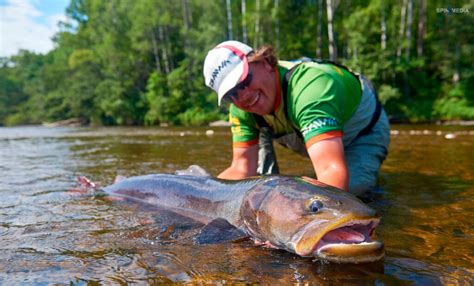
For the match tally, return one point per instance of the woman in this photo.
(318, 109)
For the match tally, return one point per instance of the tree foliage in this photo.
(129, 62)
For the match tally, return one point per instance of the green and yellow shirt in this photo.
(321, 98)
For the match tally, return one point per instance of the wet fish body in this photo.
(299, 215)
(202, 198)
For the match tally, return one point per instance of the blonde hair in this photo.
(264, 53)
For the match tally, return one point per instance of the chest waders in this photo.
(267, 163)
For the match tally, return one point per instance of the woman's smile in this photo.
(255, 100)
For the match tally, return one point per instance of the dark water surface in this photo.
(49, 234)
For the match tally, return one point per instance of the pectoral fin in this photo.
(219, 231)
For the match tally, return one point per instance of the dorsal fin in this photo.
(193, 170)
(119, 178)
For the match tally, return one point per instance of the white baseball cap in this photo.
(225, 66)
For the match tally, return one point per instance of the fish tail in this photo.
(84, 187)
(87, 184)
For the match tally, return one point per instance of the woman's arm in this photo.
(329, 162)
(244, 163)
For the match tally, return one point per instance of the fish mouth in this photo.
(349, 241)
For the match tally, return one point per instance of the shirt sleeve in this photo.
(244, 128)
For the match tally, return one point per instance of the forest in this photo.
(139, 62)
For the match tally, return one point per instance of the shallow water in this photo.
(50, 234)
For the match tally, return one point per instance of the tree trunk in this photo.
(244, 21)
(332, 43)
(185, 4)
(187, 43)
(164, 50)
(230, 35)
(319, 30)
(408, 32)
(383, 27)
(402, 29)
(161, 61)
(457, 59)
(187, 23)
(421, 28)
(277, 24)
(256, 39)
(342, 50)
(187, 16)
(383, 37)
(156, 53)
(356, 59)
(408, 48)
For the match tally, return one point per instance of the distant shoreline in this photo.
(74, 122)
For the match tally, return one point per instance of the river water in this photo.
(49, 233)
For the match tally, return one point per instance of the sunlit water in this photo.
(51, 234)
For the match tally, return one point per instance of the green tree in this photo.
(140, 62)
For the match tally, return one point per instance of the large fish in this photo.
(302, 216)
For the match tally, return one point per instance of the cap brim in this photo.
(238, 74)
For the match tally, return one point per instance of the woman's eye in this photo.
(315, 206)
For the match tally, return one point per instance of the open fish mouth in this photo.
(348, 242)
(351, 242)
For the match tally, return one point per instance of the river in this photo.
(49, 233)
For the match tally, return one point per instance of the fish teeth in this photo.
(359, 222)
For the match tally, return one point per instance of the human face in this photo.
(232, 95)
(257, 92)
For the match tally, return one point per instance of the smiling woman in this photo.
(319, 109)
(30, 25)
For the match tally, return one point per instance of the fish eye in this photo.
(315, 206)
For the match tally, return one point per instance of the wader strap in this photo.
(260, 121)
(375, 118)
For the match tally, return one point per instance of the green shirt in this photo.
(320, 99)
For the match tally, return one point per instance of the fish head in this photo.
(312, 219)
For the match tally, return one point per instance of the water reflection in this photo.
(50, 235)
(428, 216)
